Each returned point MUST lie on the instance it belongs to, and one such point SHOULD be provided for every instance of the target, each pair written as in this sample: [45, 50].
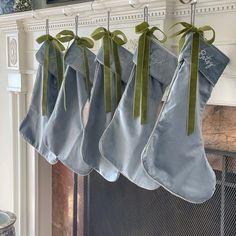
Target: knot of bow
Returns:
[58, 48]
[197, 34]
[142, 69]
[110, 40]
[65, 36]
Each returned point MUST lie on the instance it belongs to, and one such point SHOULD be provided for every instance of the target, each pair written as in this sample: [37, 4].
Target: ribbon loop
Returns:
[119, 37]
[142, 69]
[139, 29]
[188, 28]
[58, 48]
[197, 33]
[99, 33]
[65, 36]
[110, 40]
[44, 38]
[152, 31]
[84, 42]
[68, 35]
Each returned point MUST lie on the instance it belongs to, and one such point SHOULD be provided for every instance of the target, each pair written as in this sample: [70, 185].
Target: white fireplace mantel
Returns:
[19, 30]
[121, 13]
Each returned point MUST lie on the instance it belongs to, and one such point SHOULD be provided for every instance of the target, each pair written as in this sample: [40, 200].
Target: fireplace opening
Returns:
[123, 209]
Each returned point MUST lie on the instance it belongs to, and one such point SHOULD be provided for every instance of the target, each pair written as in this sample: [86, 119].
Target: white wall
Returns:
[6, 163]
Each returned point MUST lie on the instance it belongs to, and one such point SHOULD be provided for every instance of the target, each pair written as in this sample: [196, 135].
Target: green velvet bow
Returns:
[142, 69]
[197, 33]
[84, 42]
[113, 39]
[58, 47]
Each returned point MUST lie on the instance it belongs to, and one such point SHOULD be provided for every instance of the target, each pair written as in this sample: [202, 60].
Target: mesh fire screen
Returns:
[122, 209]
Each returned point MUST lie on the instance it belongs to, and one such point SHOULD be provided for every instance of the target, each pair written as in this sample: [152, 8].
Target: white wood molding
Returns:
[18, 147]
[123, 13]
[17, 111]
[25, 159]
[22, 167]
[14, 156]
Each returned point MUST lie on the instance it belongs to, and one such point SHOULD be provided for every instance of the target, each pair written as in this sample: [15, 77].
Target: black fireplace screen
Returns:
[122, 209]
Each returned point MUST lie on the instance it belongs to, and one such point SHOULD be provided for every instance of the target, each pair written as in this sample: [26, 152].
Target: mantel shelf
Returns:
[120, 12]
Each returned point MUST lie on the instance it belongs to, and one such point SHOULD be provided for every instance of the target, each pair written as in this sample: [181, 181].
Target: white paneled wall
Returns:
[25, 180]
[6, 163]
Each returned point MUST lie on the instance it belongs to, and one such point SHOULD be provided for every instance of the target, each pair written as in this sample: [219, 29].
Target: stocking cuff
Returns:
[74, 59]
[126, 62]
[162, 62]
[52, 58]
[212, 61]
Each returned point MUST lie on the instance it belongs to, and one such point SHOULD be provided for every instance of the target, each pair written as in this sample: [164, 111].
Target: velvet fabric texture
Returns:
[175, 160]
[98, 119]
[123, 141]
[33, 126]
[64, 132]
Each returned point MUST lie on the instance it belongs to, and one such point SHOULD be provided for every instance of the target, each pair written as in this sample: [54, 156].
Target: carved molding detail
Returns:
[130, 17]
[12, 51]
[122, 14]
[211, 8]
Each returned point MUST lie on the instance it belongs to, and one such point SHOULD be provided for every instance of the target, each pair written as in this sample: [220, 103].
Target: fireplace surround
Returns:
[122, 208]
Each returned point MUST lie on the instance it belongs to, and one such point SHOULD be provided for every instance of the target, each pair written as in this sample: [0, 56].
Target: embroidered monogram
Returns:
[207, 59]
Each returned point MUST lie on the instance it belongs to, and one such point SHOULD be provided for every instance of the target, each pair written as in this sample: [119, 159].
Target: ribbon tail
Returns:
[107, 74]
[88, 84]
[118, 72]
[145, 82]
[60, 68]
[193, 83]
[181, 43]
[139, 75]
[45, 79]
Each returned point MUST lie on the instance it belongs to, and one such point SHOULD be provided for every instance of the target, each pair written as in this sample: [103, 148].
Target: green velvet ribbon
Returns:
[110, 40]
[142, 69]
[58, 47]
[197, 33]
[65, 36]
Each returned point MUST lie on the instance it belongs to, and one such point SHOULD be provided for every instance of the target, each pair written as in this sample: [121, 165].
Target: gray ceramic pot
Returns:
[7, 221]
